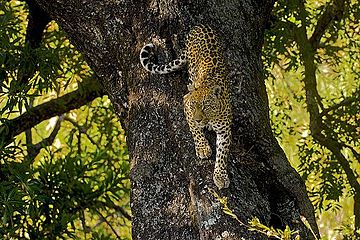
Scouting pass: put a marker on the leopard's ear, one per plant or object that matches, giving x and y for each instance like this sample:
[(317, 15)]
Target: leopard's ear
[(217, 91)]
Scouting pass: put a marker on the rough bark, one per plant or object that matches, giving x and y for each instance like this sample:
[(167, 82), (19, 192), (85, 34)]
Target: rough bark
[(170, 186)]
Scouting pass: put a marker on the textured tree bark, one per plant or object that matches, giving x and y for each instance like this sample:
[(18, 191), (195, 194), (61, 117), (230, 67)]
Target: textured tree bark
[(171, 196)]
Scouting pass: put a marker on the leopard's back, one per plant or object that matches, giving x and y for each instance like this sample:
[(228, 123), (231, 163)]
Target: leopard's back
[(204, 57)]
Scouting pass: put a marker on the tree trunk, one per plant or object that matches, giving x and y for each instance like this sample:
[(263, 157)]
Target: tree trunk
[(171, 189)]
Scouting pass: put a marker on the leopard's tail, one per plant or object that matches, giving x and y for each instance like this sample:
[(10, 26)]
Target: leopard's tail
[(172, 66)]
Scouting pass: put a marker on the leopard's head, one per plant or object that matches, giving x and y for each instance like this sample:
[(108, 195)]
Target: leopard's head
[(204, 104)]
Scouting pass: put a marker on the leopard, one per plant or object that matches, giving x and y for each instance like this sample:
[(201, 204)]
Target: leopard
[(207, 103)]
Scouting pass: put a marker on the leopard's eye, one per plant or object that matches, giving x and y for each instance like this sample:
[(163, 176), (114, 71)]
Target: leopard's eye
[(203, 105), (206, 105)]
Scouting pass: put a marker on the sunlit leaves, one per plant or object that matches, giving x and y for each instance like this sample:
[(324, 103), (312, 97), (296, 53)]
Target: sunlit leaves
[(77, 186), (27, 72), (337, 59)]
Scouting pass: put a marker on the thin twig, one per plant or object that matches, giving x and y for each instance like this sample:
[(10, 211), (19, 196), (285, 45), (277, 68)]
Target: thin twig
[(354, 152), (83, 223), (345, 102), (81, 129), (107, 222), (33, 150), (116, 208), (28, 134)]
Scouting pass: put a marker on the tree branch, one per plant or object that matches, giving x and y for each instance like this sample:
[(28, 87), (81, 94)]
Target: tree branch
[(335, 147), (86, 92), (354, 152), (307, 54), (345, 102), (122, 211), (334, 11), (107, 222), (81, 130), (34, 150), (38, 19), (116, 208), (28, 134)]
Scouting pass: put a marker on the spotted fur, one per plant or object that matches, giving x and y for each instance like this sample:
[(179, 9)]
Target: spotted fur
[(208, 103)]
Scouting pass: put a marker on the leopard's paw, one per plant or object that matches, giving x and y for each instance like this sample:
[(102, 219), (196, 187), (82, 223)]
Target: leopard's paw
[(221, 179), (203, 151)]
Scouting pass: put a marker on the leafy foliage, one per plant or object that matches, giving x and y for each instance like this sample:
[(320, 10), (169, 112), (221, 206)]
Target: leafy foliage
[(55, 64), (336, 61), (76, 185)]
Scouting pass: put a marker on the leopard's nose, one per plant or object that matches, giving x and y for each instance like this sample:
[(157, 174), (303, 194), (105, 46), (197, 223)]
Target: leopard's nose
[(198, 120)]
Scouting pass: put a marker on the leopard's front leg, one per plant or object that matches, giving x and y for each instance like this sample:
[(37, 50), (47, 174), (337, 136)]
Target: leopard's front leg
[(223, 141), (202, 146), (194, 118)]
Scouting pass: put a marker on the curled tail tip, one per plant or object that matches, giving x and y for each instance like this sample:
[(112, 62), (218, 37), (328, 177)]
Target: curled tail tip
[(149, 45), (146, 48), (145, 55)]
